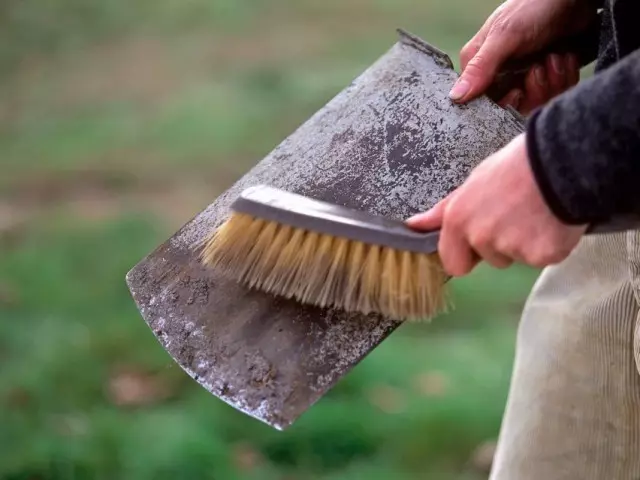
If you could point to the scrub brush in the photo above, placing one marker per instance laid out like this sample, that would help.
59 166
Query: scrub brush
329 256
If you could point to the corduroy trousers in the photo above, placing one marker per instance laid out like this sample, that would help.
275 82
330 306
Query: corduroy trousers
573 410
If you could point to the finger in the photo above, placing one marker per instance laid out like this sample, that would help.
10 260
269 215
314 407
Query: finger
512 99
431 219
458 259
512 243
536 90
469 51
481 69
493 258
456 254
573 69
483 242
556 74
473 46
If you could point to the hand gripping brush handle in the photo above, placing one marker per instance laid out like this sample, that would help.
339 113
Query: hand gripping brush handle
332 256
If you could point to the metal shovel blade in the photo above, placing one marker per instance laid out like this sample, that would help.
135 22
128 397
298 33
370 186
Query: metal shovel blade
391 143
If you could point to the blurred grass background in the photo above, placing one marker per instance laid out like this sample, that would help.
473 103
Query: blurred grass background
121 120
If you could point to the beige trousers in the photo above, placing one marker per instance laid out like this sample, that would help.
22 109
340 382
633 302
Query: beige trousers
573 411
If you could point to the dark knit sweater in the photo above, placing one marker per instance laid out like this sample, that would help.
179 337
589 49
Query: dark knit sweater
584 146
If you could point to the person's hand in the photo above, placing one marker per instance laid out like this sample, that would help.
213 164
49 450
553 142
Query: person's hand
516 28
498 215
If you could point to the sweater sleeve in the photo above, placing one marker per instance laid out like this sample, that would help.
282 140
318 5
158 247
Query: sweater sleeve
584 146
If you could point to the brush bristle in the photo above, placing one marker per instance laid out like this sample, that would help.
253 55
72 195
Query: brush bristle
327 271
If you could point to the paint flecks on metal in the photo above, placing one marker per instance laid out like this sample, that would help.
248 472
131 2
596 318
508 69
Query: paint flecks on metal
391 143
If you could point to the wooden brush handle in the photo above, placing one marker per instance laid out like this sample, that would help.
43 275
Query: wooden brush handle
514 72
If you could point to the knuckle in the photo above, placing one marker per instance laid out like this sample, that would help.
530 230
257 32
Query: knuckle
476 65
480 240
508 246
501 26
506 25
535 260
453 217
544 256
468 51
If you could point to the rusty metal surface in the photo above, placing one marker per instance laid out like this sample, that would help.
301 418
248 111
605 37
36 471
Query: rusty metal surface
391 143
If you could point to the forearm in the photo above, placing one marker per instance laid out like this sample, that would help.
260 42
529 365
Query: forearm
584 146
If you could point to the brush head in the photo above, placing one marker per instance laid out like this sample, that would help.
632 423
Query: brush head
327 255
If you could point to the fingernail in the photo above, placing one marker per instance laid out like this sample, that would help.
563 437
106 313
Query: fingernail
539 74
459 90
557 64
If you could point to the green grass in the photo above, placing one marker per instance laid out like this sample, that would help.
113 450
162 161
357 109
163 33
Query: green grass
218 84
72 323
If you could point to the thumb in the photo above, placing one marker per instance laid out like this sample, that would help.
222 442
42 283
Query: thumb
429 220
481 69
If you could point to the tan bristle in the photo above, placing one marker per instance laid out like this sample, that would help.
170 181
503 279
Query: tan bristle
326 271
255 255
406 289
353 275
333 285
316 275
389 286
227 247
304 262
369 295
281 278
269 261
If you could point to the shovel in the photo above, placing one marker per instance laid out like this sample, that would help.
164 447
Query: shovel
391 143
